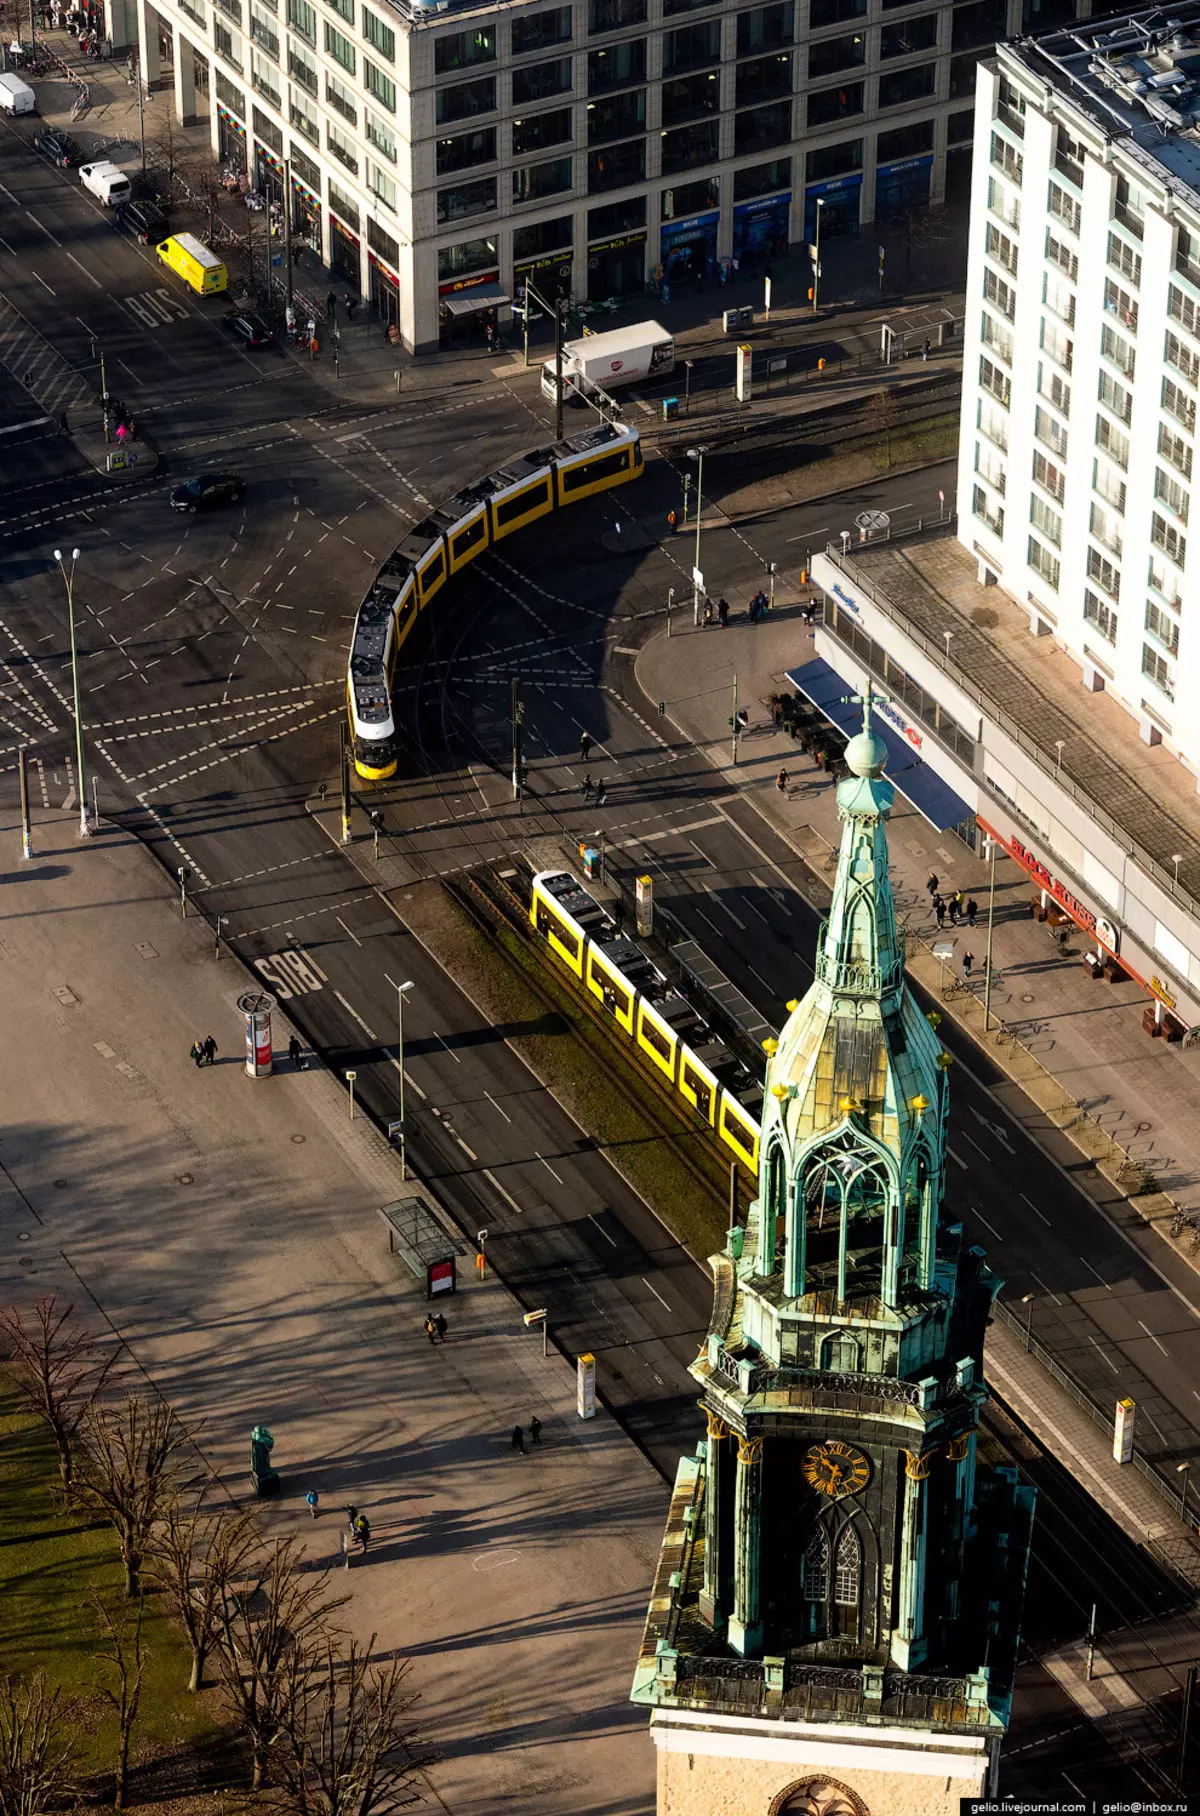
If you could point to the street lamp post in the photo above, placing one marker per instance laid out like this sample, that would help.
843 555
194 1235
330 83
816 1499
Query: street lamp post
817 256
987 980
81 779
1183 1469
697 454
401 991
1027 1302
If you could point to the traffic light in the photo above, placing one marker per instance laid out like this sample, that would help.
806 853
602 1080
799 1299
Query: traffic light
662 709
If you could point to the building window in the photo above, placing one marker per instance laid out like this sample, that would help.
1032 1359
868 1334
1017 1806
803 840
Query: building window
1114 444
1161 625
1006 158
1156 668
463 100
339 47
765 27
1180 405
538 31
265 79
459 50
616 166
1118 399
1065 209
691 97
263 31
1124 259
1100 616
689 146
303 69
1068 157
991 469
343 149
898 87
1054 388
1047 428
909 35
303 19
761 179
1114 346
381 133
1170 491
832 12
302 120
1002 296
691 47
1167 537
1110 486
538 81
828 55
463 260
613 15
1051 478
344 7
1172 447
960 127
383 243
1104 573
1044 563
347 208
904 142
1130 207
1187 255
306 170
994 380
381 185
833 160
543 236
762 127
815 1571
381 86
541 131
987 512
1185 360
990 423
1105 528
847 1569
1046 520
533 181
997 338
616 217
1062 255
467 149
763 79
830 104
1118 302
341 99
841 1353
690 198
381 36
617 66
465 199
224 46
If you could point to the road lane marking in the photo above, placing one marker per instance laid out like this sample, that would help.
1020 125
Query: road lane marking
41 280
341 923
45 230
351 1010
449 1049
1033 1207
1096 1341
549 1168
507 1196
972 1143
592 1218
975 1212
655 1291
87 274
496 1106
1154 1340
1092 1270
956 1158
469 1152
1045 1288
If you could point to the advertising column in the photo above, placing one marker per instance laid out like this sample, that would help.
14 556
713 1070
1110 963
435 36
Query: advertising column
256 1006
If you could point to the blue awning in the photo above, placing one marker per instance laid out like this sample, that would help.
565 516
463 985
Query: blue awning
932 797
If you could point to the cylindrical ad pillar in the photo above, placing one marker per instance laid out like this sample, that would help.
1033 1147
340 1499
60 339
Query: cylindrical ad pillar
256 1006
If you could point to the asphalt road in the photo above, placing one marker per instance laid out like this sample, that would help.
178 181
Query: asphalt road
211 673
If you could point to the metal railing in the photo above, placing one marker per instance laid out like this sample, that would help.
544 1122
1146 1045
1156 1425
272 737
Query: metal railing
987 704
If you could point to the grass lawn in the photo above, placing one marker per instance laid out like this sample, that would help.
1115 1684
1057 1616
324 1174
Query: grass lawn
51 1561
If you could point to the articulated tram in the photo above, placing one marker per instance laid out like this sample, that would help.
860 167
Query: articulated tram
453 534
666 1028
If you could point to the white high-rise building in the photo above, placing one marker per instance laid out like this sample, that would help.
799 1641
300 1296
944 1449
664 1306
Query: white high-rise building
1079 402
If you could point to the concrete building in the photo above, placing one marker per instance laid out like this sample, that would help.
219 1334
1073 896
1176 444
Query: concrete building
1042 669
437 155
835 1618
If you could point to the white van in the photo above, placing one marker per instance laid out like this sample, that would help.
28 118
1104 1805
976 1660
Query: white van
16 97
107 182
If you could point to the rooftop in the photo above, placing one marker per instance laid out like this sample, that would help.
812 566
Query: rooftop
1138 80
1033 690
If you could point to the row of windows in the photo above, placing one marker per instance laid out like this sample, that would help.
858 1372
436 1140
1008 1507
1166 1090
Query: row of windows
615 165
481 196
760 28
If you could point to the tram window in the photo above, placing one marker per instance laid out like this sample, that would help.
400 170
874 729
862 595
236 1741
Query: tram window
466 539
603 466
615 999
434 569
524 501
655 1039
732 1128
699 1088
550 923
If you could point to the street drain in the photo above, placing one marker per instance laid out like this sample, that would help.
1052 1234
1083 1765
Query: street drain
186 1179
60 1185
299 1140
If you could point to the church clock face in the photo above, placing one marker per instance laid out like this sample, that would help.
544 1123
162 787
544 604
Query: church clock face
836 1469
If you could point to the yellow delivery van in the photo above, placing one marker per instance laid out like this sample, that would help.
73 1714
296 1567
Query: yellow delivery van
190 259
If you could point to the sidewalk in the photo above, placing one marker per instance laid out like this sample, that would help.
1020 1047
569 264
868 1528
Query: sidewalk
226 1229
1075 1045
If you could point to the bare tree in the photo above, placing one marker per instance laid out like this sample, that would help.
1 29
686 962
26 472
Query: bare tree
882 417
168 148
197 1556
37 1757
126 1654
269 1629
59 1368
127 1471
347 1746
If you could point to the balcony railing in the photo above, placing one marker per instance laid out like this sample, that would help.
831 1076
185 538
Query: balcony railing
343 156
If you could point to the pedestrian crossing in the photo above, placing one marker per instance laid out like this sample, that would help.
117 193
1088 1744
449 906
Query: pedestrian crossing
45 374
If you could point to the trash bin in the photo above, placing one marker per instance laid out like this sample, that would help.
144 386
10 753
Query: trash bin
670 408
734 320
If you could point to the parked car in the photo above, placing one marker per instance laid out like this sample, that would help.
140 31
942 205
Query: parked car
249 328
106 181
59 147
146 220
207 490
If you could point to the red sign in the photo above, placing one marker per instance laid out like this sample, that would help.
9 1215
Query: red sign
1046 879
441 1277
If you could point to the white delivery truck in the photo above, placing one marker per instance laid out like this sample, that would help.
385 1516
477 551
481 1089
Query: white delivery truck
107 182
16 97
605 362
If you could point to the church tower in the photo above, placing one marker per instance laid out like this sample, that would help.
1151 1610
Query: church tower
835 1617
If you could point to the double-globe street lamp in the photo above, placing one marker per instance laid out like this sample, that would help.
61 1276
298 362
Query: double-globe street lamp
402 991
68 575
697 454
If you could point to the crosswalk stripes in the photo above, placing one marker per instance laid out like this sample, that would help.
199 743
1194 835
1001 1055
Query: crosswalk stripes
45 374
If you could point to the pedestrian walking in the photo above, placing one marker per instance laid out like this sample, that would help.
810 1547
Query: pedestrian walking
925 348
722 612
587 788
122 432
535 1429
210 1049
601 792
952 905
440 1325
310 1500
351 1516
931 882
64 427
939 909
198 1051
314 347
585 748
294 1052
672 522
431 1329
351 306
331 306
968 960
972 912
362 1531
518 1439
781 781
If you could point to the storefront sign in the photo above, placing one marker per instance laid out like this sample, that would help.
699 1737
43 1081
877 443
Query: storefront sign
891 170
1108 935
227 118
846 600
470 283
1048 881
1163 994
557 262
888 711
768 206
268 158
854 181
596 247
693 222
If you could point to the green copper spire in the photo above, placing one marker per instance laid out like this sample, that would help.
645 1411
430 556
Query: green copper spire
860 953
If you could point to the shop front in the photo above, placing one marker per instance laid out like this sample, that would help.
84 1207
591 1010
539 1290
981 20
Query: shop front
901 188
306 218
345 256
268 173
760 229
384 286
688 249
231 139
616 267
841 207
549 273
467 304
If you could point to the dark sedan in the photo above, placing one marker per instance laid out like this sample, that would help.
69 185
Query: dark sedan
249 328
208 490
59 147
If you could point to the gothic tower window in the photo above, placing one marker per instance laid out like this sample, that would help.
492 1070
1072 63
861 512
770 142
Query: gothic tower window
841 1353
847 1577
816 1567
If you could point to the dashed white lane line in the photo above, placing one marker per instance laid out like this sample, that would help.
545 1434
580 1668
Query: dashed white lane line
655 1291
1033 1207
312 914
496 1107
592 1218
1154 1339
506 1195
448 1047
548 1167
353 1012
348 931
